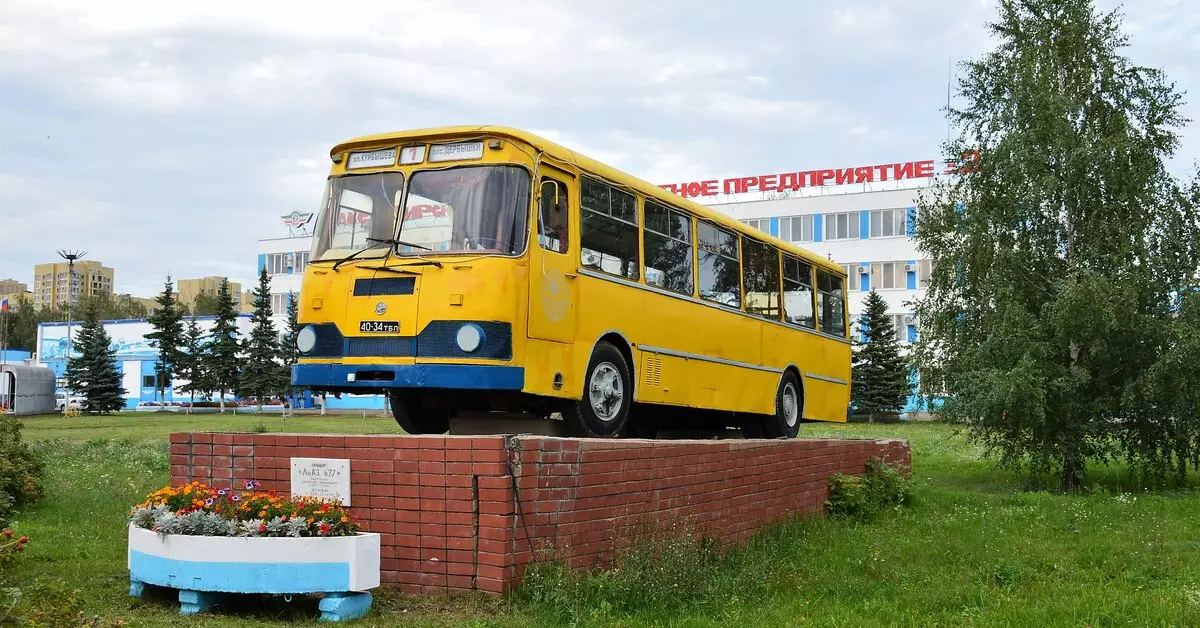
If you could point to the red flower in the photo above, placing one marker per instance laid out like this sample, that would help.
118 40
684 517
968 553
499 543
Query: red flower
262 527
23 539
324 528
7 532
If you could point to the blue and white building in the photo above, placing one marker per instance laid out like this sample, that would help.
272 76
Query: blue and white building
869 232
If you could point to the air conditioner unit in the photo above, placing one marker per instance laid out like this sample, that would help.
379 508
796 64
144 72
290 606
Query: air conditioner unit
864 270
909 319
909 268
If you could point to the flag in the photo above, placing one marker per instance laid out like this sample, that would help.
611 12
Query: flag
4 304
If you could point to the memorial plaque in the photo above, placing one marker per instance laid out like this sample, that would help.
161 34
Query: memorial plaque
326 478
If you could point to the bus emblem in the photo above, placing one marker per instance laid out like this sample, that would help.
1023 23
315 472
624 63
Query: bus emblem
380 308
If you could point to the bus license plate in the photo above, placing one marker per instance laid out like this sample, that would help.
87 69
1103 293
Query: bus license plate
379 327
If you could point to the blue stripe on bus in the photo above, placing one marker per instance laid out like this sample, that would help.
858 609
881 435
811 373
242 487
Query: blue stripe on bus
461 376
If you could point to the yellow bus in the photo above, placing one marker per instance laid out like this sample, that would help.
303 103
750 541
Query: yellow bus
475 269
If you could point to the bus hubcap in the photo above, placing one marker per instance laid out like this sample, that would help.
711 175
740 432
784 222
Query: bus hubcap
604 391
790 405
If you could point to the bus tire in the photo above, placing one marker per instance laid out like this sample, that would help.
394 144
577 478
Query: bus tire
414 418
789 405
603 409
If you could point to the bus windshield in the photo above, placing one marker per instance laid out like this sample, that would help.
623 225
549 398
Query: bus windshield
358 211
473 209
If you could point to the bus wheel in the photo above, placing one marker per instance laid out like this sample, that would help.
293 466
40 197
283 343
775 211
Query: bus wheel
414 418
789 403
607 396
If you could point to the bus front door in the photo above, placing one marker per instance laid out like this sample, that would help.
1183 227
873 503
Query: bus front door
552 268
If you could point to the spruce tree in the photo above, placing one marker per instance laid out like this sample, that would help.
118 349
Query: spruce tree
261 371
879 375
191 361
221 362
1059 249
167 322
94 374
287 349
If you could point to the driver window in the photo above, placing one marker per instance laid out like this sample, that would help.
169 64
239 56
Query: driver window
552 216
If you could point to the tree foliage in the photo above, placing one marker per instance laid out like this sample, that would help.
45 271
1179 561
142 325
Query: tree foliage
206 304
880 372
262 373
93 373
1060 252
190 365
221 363
167 322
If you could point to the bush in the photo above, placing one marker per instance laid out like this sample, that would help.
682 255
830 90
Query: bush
882 486
20 470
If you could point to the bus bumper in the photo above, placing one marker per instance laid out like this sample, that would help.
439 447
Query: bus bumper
377 376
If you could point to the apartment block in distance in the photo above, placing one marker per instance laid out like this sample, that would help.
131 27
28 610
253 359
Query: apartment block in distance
50 282
189 289
14 291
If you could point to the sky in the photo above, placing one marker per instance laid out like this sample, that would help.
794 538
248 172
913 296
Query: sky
170 137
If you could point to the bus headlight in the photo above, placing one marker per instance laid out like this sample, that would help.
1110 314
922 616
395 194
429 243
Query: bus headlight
306 339
469 337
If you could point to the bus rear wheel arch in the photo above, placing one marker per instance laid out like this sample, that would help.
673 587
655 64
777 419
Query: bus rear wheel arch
603 408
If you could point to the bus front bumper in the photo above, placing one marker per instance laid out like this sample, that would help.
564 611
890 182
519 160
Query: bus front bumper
378 376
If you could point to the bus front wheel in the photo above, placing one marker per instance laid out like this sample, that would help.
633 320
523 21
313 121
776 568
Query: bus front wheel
607 396
415 418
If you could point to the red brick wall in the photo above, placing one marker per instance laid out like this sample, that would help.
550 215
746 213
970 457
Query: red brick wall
445 505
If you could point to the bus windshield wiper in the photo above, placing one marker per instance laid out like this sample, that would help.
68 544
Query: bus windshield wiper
395 242
421 261
356 254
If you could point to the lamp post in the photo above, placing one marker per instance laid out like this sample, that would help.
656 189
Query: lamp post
70 256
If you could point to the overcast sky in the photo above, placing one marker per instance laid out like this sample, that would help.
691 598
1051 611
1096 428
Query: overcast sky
159 136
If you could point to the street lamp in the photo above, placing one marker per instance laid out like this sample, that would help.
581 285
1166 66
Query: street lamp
70 256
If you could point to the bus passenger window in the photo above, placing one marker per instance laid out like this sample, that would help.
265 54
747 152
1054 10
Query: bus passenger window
668 248
831 303
798 292
552 217
760 276
608 230
720 272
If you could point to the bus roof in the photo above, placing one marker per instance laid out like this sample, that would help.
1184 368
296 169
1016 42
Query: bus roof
587 163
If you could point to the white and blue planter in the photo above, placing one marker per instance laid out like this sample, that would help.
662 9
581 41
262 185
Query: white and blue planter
344 568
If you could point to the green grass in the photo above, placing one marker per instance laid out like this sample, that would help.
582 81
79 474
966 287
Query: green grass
972 549
158 425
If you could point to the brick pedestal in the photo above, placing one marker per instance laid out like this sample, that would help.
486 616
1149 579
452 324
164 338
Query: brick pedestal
459 512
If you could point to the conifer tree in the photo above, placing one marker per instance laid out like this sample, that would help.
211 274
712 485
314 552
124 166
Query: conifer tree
261 371
167 322
880 373
190 366
287 349
1059 249
93 373
221 362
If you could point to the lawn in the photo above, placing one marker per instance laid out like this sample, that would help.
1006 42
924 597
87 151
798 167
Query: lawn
973 548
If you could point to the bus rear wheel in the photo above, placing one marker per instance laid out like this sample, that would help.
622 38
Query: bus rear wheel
607 396
789 405
415 418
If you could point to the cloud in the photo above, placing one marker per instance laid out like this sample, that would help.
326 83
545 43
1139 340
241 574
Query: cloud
171 136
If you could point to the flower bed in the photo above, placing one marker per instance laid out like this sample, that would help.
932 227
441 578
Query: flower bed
202 540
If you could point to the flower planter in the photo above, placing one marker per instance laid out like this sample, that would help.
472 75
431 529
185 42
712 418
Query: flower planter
342 567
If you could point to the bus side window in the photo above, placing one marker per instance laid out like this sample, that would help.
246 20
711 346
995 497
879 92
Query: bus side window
552 216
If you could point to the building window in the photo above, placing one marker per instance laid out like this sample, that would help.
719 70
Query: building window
841 226
798 292
609 232
852 282
831 303
796 228
886 223
719 268
888 276
760 275
924 272
279 303
762 224
668 248
900 327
